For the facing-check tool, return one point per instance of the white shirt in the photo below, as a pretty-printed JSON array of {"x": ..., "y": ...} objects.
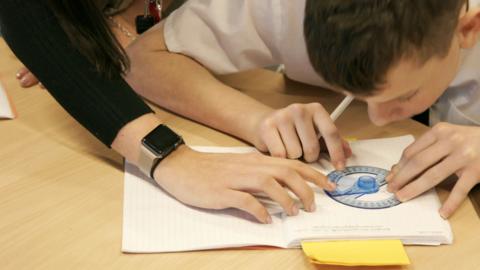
[
  {"x": 460, "y": 103},
  {"x": 229, "y": 36}
]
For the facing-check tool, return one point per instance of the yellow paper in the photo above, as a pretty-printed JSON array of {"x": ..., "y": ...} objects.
[
  {"x": 355, "y": 253},
  {"x": 351, "y": 139}
]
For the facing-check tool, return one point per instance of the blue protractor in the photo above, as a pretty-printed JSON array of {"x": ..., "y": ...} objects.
[{"x": 362, "y": 187}]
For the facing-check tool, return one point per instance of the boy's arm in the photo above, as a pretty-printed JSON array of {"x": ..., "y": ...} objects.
[
  {"x": 444, "y": 150},
  {"x": 182, "y": 85}
]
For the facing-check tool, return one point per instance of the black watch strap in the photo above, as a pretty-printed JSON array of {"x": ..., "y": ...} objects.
[{"x": 156, "y": 146}]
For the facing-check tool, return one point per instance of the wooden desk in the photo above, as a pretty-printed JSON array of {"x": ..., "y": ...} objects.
[{"x": 61, "y": 190}]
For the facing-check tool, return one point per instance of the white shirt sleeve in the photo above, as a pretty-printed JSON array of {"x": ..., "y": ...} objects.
[{"x": 227, "y": 36}]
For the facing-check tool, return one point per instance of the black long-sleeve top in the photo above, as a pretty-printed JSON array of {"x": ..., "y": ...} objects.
[{"x": 36, "y": 37}]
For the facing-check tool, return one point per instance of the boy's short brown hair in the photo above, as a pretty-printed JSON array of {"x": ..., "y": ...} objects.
[{"x": 352, "y": 44}]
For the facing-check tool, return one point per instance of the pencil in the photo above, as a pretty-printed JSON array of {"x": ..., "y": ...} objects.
[{"x": 341, "y": 107}]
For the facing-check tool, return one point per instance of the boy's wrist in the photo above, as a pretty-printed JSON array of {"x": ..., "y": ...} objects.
[{"x": 252, "y": 131}]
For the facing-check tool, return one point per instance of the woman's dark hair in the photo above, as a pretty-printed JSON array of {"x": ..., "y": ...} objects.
[{"x": 87, "y": 28}]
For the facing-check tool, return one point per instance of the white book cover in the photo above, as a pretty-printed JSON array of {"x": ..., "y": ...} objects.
[
  {"x": 6, "y": 109},
  {"x": 153, "y": 221}
]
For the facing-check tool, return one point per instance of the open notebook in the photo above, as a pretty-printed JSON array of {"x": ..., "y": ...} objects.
[
  {"x": 153, "y": 221},
  {"x": 6, "y": 109}
]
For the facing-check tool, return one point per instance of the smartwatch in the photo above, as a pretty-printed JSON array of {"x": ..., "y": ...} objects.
[{"x": 156, "y": 146}]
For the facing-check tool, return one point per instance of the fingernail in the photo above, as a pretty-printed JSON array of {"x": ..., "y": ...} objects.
[
  {"x": 331, "y": 186},
  {"x": 443, "y": 213},
  {"x": 340, "y": 165},
  {"x": 268, "y": 220},
  {"x": 295, "y": 210},
  {"x": 401, "y": 197},
  {"x": 24, "y": 81},
  {"x": 313, "y": 207}
]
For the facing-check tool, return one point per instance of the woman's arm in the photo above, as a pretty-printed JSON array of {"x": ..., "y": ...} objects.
[
  {"x": 119, "y": 118},
  {"x": 35, "y": 36}
]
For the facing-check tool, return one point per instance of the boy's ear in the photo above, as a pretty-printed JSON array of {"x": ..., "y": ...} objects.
[{"x": 469, "y": 28}]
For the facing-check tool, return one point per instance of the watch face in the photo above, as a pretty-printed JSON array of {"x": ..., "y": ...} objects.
[{"x": 161, "y": 140}]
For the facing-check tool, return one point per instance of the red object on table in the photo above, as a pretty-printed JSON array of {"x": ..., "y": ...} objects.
[{"x": 154, "y": 11}]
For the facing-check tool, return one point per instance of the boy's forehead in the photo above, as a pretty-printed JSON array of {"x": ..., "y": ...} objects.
[{"x": 403, "y": 78}]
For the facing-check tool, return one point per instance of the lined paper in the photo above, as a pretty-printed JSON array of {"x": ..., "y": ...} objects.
[{"x": 153, "y": 221}]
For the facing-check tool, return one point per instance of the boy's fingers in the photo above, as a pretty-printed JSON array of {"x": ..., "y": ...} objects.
[
  {"x": 308, "y": 137},
  {"x": 430, "y": 178},
  {"x": 347, "y": 149},
  {"x": 332, "y": 137},
  {"x": 417, "y": 146},
  {"x": 417, "y": 164},
  {"x": 334, "y": 143},
  {"x": 459, "y": 192},
  {"x": 248, "y": 203},
  {"x": 290, "y": 140},
  {"x": 274, "y": 142}
]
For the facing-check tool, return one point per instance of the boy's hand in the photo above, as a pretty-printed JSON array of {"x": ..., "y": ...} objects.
[
  {"x": 292, "y": 133},
  {"x": 444, "y": 150},
  {"x": 219, "y": 181}
]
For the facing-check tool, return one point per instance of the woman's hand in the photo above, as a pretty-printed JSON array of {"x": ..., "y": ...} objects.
[
  {"x": 444, "y": 150},
  {"x": 219, "y": 181},
  {"x": 292, "y": 133},
  {"x": 26, "y": 78}
]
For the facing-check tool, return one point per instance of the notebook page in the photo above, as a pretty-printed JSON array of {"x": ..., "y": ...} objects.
[
  {"x": 153, "y": 221},
  {"x": 413, "y": 222},
  {"x": 6, "y": 110}
]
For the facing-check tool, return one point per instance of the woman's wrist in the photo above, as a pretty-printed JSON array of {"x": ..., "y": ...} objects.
[
  {"x": 175, "y": 156},
  {"x": 129, "y": 139}
]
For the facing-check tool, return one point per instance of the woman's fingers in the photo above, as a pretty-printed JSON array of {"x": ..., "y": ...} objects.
[
  {"x": 314, "y": 176},
  {"x": 21, "y": 72},
  {"x": 272, "y": 190},
  {"x": 26, "y": 78},
  {"x": 308, "y": 173},
  {"x": 298, "y": 186},
  {"x": 248, "y": 203}
]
